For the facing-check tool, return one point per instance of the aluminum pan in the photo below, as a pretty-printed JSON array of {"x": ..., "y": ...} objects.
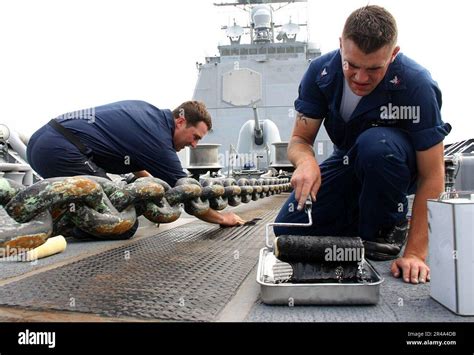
[{"x": 317, "y": 294}]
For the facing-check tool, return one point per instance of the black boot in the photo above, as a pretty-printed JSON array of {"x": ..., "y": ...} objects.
[{"x": 388, "y": 244}]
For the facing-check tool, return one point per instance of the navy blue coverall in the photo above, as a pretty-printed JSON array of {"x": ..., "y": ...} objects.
[
  {"x": 122, "y": 137},
  {"x": 364, "y": 183}
]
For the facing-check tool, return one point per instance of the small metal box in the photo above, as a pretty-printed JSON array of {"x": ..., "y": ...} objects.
[{"x": 451, "y": 251}]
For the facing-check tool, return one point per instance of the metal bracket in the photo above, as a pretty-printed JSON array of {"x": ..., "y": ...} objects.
[{"x": 308, "y": 209}]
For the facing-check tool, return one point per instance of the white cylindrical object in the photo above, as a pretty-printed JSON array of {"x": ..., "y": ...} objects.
[{"x": 52, "y": 246}]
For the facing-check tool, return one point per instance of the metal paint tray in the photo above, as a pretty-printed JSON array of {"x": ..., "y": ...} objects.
[
  {"x": 312, "y": 293},
  {"x": 272, "y": 273}
]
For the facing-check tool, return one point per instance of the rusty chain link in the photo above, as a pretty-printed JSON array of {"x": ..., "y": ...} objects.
[{"x": 106, "y": 209}]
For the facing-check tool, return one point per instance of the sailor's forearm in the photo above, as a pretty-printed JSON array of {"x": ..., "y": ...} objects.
[
  {"x": 300, "y": 148},
  {"x": 299, "y": 151},
  {"x": 225, "y": 219},
  {"x": 211, "y": 216},
  {"x": 142, "y": 173}
]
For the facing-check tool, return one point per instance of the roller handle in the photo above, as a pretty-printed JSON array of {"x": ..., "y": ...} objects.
[{"x": 308, "y": 207}]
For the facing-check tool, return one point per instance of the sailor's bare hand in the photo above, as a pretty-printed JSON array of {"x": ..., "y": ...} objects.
[
  {"x": 413, "y": 269},
  {"x": 306, "y": 181},
  {"x": 230, "y": 219}
]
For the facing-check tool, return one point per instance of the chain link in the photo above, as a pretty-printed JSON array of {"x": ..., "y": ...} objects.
[{"x": 107, "y": 209}]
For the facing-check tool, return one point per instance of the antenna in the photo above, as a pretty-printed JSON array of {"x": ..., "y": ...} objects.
[
  {"x": 251, "y": 2},
  {"x": 234, "y": 33},
  {"x": 288, "y": 32},
  {"x": 262, "y": 25}
]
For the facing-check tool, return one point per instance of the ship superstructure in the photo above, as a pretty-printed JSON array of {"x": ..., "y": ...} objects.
[{"x": 251, "y": 86}]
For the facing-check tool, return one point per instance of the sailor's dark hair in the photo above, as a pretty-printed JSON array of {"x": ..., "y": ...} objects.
[
  {"x": 194, "y": 112},
  {"x": 371, "y": 28}
]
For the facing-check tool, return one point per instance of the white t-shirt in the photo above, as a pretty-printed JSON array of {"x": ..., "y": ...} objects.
[{"x": 349, "y": 102}]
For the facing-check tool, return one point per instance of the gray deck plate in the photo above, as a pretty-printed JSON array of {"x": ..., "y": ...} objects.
[
  {"x": 399, "y": 302},
  {"x": 187, "y": 273}
]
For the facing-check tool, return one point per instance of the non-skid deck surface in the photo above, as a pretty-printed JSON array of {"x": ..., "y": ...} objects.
[
  {"x": 187, "y": 273},
  {"x": 399, "y": 302}
]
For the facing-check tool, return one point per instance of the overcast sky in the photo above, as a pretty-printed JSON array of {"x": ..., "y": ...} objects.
[{"x": 60, "y": 55}]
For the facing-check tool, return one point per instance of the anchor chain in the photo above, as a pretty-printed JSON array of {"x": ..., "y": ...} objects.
[{"x": 107, "y": 209}]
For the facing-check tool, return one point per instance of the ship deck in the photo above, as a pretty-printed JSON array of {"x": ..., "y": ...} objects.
[{"x": 184, "y": 271}]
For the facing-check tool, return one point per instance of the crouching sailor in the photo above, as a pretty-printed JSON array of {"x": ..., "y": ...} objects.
[
  {"x": 381, "y": 154},
  {"x": 123, "y": 137}
]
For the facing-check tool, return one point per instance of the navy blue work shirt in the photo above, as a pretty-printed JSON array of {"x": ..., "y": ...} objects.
[
  {"x": 406, "y": 84},
  {"x": 128, "y": 136}
]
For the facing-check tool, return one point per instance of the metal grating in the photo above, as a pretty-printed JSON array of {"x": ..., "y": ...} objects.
[{"x": 186, "y": 274}]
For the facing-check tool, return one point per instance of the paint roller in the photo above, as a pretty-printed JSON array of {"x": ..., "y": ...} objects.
[
  {"x": 320, "y": 258},
  {"x": 302, "y": 248},
  {"x": 52, "y": 246},
  {"x": 317, "y": 258}
]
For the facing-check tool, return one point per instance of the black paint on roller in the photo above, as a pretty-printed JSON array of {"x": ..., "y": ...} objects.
[
  {"x": 316, "y": 249},
  {"x": 324, "y": 272}
]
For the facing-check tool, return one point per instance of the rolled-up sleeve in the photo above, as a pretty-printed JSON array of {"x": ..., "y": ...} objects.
[
  {"x": 311, "y": 101},
  {"x": 427, "y": 129}
]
